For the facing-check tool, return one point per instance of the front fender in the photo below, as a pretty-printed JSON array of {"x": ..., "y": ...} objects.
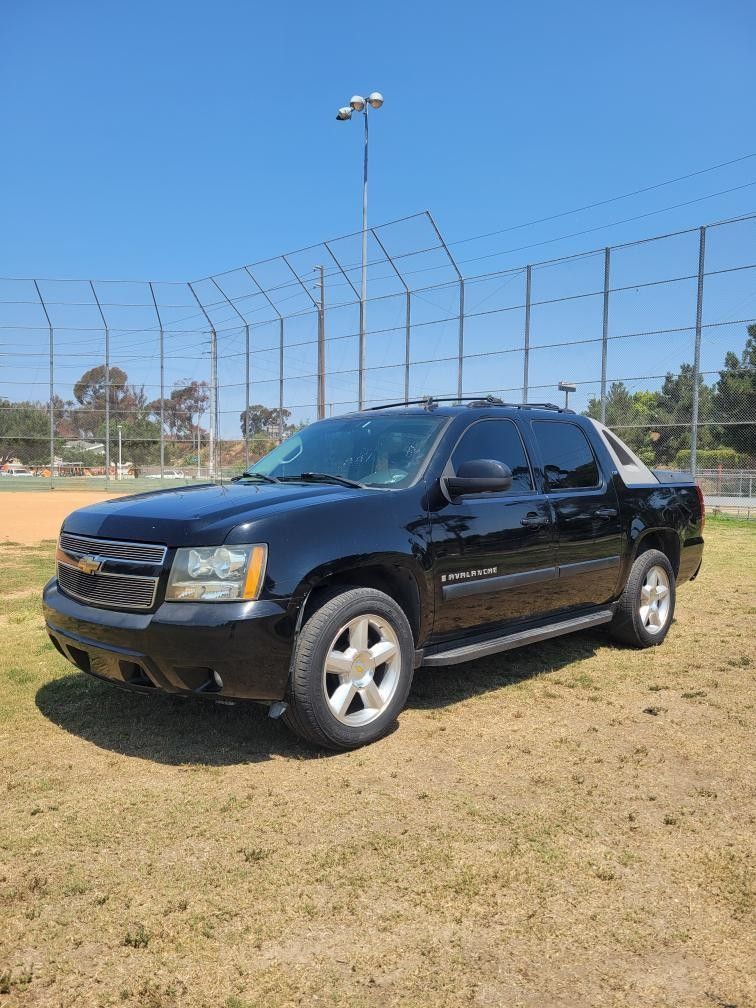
[{"x": 352, "y": 536}]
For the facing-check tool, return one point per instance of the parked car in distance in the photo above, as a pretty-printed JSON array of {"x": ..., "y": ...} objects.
[
  {"x": 367, "y": 545},
  {"x": 168, "y": 474},
  {"x": 12, "y": 469}
]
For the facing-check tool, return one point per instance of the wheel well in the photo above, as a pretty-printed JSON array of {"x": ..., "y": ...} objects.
[
  {"x": 666, "y": 541},
  {"x": 395, "y": 582}
]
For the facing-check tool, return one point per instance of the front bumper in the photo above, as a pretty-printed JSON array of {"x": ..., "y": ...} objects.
[{"x": 233, "y": 650}]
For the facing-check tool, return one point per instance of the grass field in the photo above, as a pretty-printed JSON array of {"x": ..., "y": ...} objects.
[{"x": 570, "y": 825}]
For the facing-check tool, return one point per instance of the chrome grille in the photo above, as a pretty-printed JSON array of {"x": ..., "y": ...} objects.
[
  {"x": 135, "y": 552},
  {"x": 119, "y": 591}
]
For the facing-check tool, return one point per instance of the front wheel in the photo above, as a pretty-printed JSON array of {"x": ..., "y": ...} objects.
[
  {"x": 351, "y": 670},
  {"x": 647, "y": 605}
]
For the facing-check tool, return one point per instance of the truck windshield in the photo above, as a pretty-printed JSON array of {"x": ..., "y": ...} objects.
[{"x": 385, "y": 450}]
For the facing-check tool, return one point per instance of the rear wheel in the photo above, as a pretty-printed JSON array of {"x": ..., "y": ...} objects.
[
  {"x": 351, "y": 671},
  {"x": 647, "y": 605}
]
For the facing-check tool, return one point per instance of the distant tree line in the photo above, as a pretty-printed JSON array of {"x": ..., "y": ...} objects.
[
  {"x": 657, "y": 424},
  {"x": 80, "y": 422}
]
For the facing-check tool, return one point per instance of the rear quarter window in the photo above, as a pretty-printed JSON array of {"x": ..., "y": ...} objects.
[{"x": 568, "y": 459}]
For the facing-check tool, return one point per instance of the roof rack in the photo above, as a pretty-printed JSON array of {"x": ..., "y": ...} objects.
[{"x": 479, "y": 402}]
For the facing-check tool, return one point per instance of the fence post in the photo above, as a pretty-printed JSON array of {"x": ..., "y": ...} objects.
[
  {"x": 107, "y": 383},
  {"x": 526, "y": 348},
  {"x": 407, "y": 307},
  {"x": 213, "y": 384},
  {"x": 461, "y": 338},
  {"x": 280, "y": 379},
  {"x": 213, "y": 450},
  {"x": 697, "y": 350},
  {"x": 162, "y": 383},
  {"x": 51, "y": 358},
  {"x": 605, "y": 333},
  {"x": 321, "y": 345},
  {"x": 407, "y": 339},
  {"x": 265, "y": 294},
  {"x": 162, "y": 403},
  {"x": 246, "y": 397},
  {"x": 107, "y": 405},
  {"x": 460, "y": 278}
]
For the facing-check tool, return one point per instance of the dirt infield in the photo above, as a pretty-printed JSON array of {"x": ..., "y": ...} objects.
[{"x": 28, "y": 517}]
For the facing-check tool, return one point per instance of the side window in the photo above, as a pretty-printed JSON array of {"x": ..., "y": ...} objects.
[
  {"x": 568, "y": 459},
  {"x": 499, "y": 440}
]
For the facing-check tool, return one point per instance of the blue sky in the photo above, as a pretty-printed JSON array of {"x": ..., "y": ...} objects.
[{"x": 169, "y": 140}]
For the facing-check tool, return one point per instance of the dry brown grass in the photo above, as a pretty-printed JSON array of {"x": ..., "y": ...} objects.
[{"x": 570, "y": 825}]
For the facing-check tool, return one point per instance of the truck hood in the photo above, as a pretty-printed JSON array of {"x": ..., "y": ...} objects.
[{"x": 199, "y": 515}]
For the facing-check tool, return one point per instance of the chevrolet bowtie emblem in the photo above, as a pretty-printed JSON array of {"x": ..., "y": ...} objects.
[{"x": 89, "y": 564}]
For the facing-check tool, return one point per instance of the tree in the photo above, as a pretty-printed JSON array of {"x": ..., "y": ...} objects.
[
  {"x": 180, "y": 408},
  {"x": 674, "y": 414},
  {"x": 91, "y": 393},
  {"x": 630, "y": 414},
  {"x": 24, "y": 432},
  {"x": 128, "y": 408},
  {"x": 735, "y": 398},
  {"x": 140, "y": 440},
  {"x": 66, "y": 421},
  {"x": 258, "y": 419}
]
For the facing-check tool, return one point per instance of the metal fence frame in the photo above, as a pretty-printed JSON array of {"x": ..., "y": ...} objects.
[{"x": 269, "y": 294}]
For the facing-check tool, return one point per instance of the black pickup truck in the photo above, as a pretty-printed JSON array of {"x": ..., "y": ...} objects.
[{"x": 367, "y": 545}]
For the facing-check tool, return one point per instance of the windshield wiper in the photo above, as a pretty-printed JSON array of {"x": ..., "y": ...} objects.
[
  {"x": 255, "y": 475},
  {"x": 316, "y": 477}
]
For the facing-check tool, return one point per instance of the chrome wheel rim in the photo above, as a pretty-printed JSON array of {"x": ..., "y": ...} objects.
[
  {"x": 361, "y": 670},
  {"x": 655, "y": 600}
]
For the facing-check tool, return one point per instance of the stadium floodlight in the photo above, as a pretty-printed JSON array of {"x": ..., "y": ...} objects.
[{"x": 359, "y": 104}]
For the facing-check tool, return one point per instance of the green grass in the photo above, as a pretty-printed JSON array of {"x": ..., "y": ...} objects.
[
  {"x": 529, "y": 836},
  {"x": 725, "y": 521}
]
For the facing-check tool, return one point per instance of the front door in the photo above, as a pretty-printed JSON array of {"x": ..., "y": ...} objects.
[
  {"x": 494, "y": 553},
  {"x": 586, "y": 513}
]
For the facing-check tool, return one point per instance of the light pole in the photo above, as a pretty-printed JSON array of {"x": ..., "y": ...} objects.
[
  {"x": 567, "y": 387},
  {"x": 321, "y": 343},
  {"x": 359, "y": 104},
  {"x": 119, "y": 451}
]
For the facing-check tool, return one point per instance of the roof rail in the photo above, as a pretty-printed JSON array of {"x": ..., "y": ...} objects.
[{"x": 430, "y": 402}]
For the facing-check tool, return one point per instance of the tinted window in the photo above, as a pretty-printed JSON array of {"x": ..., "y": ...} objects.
[
  {"x": 380, "y": 450},
  {"x": 567, "y": 456},
  {"x": 499, "y": 440}
]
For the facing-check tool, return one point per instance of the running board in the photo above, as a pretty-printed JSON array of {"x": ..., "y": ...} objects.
[{"x": 469, "y": 652}]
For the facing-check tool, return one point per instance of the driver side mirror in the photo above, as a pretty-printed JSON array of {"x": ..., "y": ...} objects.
[{"x": 479, "y": 476}]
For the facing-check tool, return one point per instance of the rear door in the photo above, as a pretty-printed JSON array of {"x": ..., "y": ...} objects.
[
  {"x": 494, "y": 552},
  {"x": 586, "y": 513}
]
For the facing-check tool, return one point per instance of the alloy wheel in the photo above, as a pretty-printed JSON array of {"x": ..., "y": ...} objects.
[
  {"x": 361, "y": 670},
  {"x": 655, "y": 600}
]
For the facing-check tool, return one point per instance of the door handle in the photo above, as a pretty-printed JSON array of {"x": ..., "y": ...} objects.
[
  {"x": 534, "y": 521},
  {"x": 605, "y": 512}
]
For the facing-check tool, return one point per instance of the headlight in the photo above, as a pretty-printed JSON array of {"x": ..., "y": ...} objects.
[{"x": 217, "y": 573}]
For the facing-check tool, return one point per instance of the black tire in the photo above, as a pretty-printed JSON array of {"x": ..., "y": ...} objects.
[
  {"x": 628, "y": 625},
  {"x": 308, "y": 713}
]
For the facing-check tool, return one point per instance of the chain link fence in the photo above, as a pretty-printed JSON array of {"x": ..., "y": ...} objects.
[{"x": 138, "y": 383}]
